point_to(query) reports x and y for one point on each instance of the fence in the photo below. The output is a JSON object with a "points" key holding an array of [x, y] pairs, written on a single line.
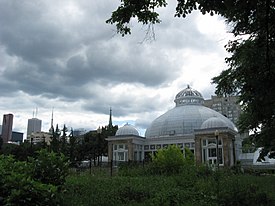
{"points": [[109, 168]]}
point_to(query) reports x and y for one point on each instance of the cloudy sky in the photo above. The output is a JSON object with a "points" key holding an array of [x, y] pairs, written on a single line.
{"points": [[62, 55]]}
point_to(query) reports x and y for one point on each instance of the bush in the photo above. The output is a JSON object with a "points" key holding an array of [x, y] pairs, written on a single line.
{"points": [[171, 160], [36, 182], [18, 187], [242, 194], [50, 167]]}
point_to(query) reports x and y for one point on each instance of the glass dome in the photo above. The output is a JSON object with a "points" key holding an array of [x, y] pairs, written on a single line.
{"points": [[188, 115], [215, 122], [127, 129]]}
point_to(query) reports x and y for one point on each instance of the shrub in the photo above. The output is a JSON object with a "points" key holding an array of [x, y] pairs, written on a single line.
{"points": [[242, 194], [132, 169], [171, 160], [50, 167], [130, 194], [17, 186]]}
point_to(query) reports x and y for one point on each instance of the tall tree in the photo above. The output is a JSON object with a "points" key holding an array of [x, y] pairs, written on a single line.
{"points": [[251, 66], [72, 148], [63, 140], [89, 145], [55, 144], [57, 132], [104, 133]]}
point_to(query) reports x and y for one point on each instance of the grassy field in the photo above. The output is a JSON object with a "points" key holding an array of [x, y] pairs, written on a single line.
{"points": [[190, 187]]}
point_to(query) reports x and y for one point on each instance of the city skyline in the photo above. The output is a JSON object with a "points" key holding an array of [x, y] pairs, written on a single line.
{"points": [[227, 106]]}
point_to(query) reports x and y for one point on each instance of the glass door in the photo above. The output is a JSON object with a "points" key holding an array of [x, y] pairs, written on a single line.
{"points": [[212, 156]]}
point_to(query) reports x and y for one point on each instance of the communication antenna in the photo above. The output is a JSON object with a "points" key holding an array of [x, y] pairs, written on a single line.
{"points": [[36, 112]]}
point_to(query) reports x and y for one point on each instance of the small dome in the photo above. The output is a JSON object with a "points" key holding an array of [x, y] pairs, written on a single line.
{"points": [[188, 96], [127, 129], [215, 122]]}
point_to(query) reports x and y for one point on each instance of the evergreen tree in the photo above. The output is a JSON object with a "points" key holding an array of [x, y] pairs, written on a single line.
{"points": [[63, 140], [72, 148], [55, 139]]}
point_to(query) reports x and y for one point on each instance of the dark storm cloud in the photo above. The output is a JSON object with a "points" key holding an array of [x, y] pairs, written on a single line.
{"points": [[121, 63], [27, 33], [55, 59]]}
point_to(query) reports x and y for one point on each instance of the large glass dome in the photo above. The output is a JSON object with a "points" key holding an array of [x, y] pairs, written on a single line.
{"points": [[188, 115]]}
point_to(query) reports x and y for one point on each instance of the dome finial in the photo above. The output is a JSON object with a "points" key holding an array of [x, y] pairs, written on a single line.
{"points": [[188, 86]]}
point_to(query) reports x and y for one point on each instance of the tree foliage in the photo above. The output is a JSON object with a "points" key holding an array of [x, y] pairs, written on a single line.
{"points": [[143, 10], [33, 182], [95, 144], [251, 66], [49, 167], [1, 142], [20, 152], [171, 160]]}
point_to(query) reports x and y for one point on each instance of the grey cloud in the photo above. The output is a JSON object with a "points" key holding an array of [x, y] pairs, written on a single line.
{"points": [[40, 43], [26, 33], [47, 59], [122, 103], [120, 63]]}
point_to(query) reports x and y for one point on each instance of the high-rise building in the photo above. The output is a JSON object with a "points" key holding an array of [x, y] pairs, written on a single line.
{"points": [[17, 137], [230, 108], [34, 125], [227, 106], [7, 127]]}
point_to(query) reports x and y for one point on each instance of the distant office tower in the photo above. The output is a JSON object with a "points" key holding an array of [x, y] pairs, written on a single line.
{"points": [[0, 130], [34, 125], [228, 106], [17, 137], [7, 127]]}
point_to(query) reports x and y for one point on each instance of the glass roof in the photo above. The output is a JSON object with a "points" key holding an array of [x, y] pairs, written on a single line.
{"points": [[127, 129], [188, 115]]}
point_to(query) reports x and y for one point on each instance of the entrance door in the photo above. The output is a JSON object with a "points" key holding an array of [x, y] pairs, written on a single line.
{"points": [[209, 152], [212, 156]]}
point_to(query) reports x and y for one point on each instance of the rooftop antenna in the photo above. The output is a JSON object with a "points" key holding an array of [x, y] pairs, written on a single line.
{"points": [[36, 112]]}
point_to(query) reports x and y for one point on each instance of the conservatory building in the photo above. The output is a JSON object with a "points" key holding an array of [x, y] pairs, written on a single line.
{"points": [[207, 133]]}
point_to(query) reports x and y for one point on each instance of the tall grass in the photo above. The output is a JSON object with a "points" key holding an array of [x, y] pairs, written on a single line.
{"points": [[193, 186]]}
